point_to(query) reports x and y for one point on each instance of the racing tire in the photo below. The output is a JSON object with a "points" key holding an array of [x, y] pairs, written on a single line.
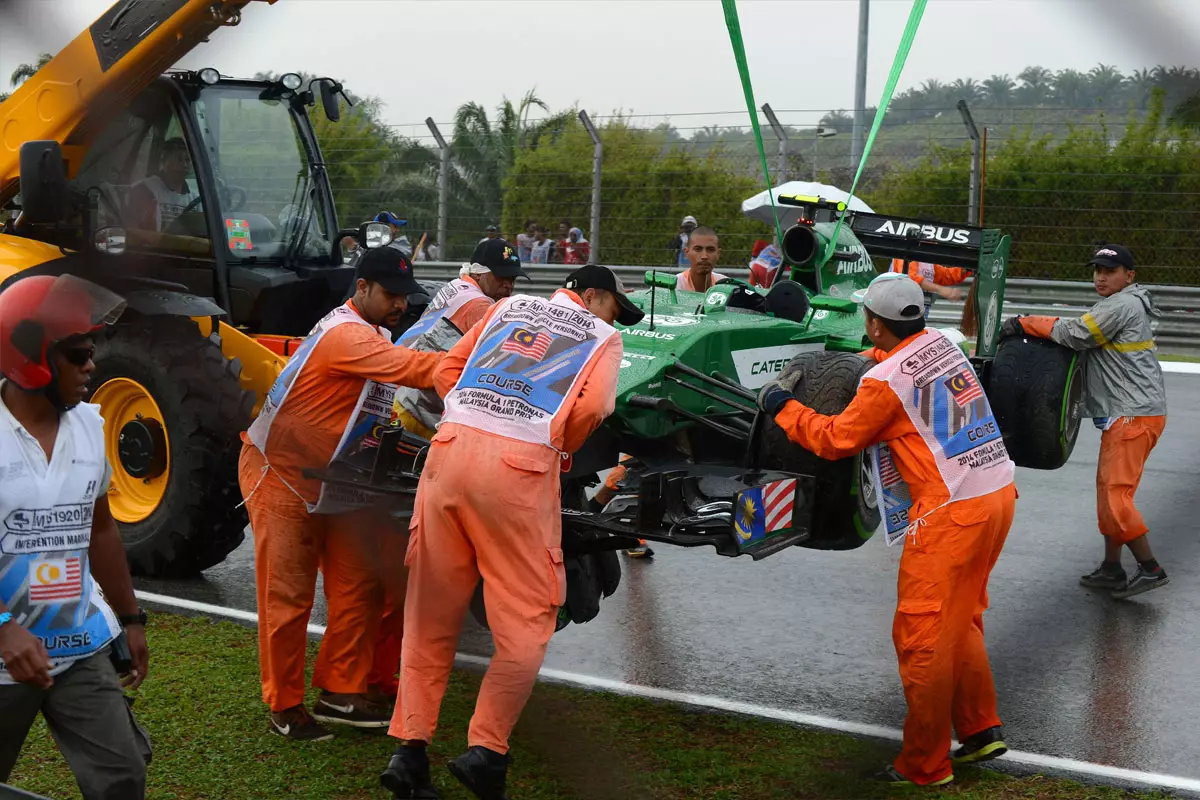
{"points": [[1035, 387], [845, 503], [185, 516]]}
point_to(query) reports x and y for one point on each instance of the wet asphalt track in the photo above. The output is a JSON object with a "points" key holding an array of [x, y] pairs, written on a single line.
{"points": [[1078, 675]]}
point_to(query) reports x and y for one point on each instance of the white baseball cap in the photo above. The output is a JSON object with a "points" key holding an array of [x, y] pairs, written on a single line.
{"points": [[895, 296]]}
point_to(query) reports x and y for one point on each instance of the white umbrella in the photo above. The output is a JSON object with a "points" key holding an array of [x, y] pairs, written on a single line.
{"points": [[759, 206]]}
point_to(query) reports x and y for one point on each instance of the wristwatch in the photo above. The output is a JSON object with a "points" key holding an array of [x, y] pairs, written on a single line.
{"points": [[133, 619], [5, 618]]}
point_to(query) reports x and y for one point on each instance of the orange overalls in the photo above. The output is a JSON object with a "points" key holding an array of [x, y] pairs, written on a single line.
{"points": [[918, 270], [391, 631], [942, 586], [488, 505], [353, 551]]}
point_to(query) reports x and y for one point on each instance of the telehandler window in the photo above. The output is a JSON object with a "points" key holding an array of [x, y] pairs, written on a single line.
{"points": [[146, 179]]}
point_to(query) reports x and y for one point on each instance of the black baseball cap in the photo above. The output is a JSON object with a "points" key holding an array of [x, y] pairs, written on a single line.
{"points": [[594, 276], [500, 257], [392, 270], [1112, 256]]}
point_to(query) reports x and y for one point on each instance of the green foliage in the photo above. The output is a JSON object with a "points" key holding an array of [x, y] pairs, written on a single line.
{"points": [[648, 185], [1059, 197], [24, 72]]}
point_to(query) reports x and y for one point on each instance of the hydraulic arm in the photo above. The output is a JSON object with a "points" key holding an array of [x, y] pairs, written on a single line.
{"points": [[101, 71]]}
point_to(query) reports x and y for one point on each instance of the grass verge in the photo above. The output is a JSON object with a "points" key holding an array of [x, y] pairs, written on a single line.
{"points": [[201, 706], [1172, 357]]}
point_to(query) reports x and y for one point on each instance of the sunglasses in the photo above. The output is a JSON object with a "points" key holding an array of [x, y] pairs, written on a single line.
{"points": [[78, 356]]}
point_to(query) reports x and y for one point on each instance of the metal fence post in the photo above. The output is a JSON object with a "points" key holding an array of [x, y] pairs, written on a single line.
{"points": [[781, 134], [597, 161], [976, 163], [443, 186]]}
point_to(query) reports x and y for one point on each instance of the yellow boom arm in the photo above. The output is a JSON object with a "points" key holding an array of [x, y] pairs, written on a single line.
{"points": [[100, 72]]}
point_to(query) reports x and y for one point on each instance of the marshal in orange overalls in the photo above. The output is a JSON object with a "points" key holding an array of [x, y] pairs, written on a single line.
{"points": [[952, 543], [290, 544], [488, 505]]}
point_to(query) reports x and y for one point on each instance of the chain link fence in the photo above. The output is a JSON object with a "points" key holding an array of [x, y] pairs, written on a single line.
{"points": [[1060, 181]]}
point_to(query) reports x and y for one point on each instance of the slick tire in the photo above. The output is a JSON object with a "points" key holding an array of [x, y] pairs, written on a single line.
{"points": [[1035, 387], [202, 408], [845, 510]]}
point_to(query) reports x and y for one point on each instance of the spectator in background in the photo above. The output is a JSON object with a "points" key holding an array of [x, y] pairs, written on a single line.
{"points": [[542, 249], [703, 252], [493, 232], [764, 268], [680, 242], [396, 225], [560, 244], [525, 241], [575, 247], [425, 249]]}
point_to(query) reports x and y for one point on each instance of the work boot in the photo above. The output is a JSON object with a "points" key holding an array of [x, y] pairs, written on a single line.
{"points": [[1105, 576], [892, 777], [297, 724], [641, 551], [407, 774], [354, 710], [983, 746], [483, 771], [1142, 581]]}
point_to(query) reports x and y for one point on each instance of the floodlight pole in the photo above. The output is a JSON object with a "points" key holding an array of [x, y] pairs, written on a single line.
{"points": [[976, 162], [860, 85], [597, 161], [443, 187], [781, 134]]}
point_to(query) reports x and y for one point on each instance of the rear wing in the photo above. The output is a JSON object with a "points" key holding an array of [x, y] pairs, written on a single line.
{"points": [[984, 251]]}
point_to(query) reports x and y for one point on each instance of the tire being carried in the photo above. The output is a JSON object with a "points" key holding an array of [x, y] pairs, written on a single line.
{"points": [[1035, 387], [846, 510], [173, 409]]}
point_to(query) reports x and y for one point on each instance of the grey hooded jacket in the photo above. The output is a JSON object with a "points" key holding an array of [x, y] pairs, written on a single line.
{"points": [[1122, 377]]}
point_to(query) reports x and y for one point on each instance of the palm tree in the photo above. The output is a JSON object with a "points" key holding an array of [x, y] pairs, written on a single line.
{"points": [[1140, 83], [484, 149], [1035, 85], [1070, 88], [24, 72], [1105, 83], [998, 90], [967, 90], [838, 120]]}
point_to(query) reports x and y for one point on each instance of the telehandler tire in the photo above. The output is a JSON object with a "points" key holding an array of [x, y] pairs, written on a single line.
{"points": [[173, 410]]}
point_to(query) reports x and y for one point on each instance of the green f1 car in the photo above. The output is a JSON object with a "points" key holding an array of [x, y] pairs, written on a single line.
{"points": [[699, 457]]}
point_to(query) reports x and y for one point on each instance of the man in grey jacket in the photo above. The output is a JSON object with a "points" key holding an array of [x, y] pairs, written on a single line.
{"points": [[1125, 395]]}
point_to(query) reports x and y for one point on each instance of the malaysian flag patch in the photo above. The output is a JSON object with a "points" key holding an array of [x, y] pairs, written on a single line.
{"points": [[55, 580], [765, 510], [964, 388], [527, 343]]}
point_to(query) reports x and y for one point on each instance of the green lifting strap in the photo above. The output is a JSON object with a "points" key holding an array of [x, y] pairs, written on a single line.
{"points": [[739, 54]]}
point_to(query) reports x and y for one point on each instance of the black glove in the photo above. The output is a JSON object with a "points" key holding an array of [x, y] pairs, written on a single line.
{"points": [[773, 397], [1011, 327]]}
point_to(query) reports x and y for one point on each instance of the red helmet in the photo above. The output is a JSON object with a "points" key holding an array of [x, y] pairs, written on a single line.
{"points": [[41, 310]]}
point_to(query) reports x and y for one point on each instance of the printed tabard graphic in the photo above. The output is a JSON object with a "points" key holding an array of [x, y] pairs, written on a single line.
{"points": [[55, 580], [527, 343]]}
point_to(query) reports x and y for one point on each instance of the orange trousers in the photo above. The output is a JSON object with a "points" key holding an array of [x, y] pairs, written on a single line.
{"points": [[290, 545], [938, 629], [1124, 449], [486, 506]]}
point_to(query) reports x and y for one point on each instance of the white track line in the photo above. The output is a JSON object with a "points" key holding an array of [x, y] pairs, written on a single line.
{"points": [[1041, 762], [1182, 367]]}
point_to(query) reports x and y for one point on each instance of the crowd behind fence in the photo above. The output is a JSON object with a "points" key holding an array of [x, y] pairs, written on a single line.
{"points": [[1058, 181]]}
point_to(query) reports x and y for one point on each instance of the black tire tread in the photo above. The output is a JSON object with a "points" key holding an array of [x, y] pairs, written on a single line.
{"points": [[830, 382], [200, 520], [1029, 377]]}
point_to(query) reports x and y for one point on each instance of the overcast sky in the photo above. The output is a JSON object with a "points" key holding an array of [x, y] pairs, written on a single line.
{"points": [[645, 57]]}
